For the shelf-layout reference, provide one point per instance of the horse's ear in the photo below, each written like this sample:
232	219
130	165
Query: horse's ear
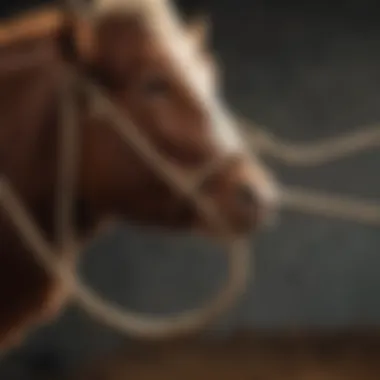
84	40
104	46
198	28
78	40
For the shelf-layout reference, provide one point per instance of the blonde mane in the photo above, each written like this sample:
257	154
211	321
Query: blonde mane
144	7
160	15
163	17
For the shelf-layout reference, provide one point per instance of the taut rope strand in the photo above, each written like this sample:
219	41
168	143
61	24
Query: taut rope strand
331	205
314	154
67	170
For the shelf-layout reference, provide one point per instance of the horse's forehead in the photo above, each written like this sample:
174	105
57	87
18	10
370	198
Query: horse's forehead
169	47
197	75
159	22
162	40
169	36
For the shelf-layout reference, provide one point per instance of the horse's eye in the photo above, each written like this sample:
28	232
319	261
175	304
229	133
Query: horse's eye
156	86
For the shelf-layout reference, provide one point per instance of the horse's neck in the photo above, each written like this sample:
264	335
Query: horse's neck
29	98
29	127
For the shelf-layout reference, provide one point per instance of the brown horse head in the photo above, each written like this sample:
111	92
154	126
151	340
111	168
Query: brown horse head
158	71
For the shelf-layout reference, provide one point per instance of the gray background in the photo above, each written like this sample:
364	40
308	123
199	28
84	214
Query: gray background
305	72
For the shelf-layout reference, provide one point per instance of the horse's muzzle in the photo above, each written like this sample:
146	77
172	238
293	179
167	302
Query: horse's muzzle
245	195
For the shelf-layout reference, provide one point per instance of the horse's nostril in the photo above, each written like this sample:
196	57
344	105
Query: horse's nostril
246	196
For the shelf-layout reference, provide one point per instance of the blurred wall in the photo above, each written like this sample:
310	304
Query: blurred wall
305	71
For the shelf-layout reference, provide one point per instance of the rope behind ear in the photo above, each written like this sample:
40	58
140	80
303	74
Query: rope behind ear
66	41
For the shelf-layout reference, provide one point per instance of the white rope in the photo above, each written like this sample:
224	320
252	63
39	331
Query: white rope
67	169
312	154
331	205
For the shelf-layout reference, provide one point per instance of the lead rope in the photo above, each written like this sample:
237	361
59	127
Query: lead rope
312	154
134	324
69	146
